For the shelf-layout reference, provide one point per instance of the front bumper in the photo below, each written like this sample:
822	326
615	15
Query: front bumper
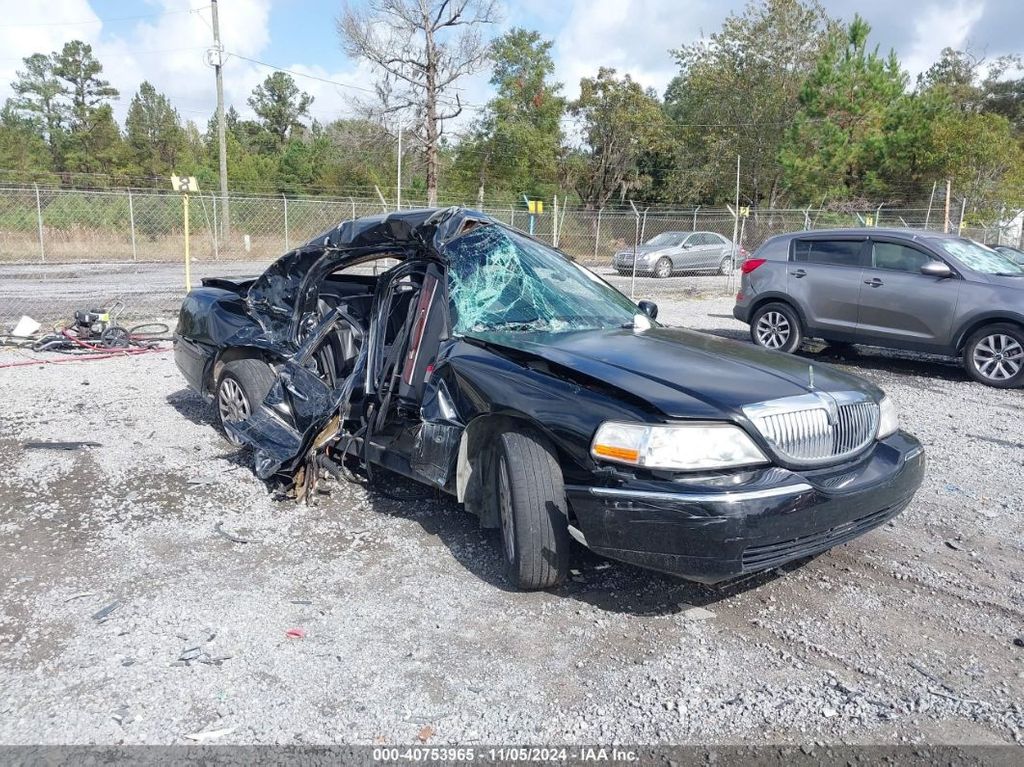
625	262
712	532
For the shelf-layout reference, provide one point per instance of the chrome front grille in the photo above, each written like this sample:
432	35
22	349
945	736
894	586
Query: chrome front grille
817	428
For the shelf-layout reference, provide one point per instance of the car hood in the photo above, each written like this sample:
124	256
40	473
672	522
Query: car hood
683	373
1008	281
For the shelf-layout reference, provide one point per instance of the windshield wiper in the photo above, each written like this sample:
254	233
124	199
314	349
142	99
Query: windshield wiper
537	324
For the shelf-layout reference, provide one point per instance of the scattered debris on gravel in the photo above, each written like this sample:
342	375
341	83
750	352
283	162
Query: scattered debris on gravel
154	592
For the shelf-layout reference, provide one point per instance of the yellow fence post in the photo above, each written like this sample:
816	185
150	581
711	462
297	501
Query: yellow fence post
188	254
186	184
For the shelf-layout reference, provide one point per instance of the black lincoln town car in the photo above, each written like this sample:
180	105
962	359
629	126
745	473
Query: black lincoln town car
488	365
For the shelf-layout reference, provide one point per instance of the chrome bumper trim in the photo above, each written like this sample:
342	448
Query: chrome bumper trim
726	496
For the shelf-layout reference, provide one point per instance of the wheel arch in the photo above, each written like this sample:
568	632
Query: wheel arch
778	298
232	354
975	324
474	455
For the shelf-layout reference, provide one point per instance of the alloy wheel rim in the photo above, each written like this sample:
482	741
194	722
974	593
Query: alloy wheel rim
726	266
773	330
998	357
232	402
508	529
664	268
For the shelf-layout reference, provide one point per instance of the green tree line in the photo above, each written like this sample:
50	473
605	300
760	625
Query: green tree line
816	112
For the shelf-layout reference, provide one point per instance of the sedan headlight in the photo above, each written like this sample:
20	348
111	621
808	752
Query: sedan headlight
888	418
682	447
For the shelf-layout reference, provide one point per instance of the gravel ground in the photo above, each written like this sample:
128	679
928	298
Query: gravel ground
904	635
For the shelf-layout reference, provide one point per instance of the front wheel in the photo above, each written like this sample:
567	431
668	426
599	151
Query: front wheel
531	503
725	268
995	356
776	326
663	268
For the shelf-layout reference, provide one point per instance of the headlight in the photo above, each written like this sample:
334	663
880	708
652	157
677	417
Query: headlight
683	447
888	418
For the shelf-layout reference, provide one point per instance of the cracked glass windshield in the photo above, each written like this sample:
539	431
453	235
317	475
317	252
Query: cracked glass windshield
981	258
502	281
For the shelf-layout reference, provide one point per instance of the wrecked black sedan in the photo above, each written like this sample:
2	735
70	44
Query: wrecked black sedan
488	365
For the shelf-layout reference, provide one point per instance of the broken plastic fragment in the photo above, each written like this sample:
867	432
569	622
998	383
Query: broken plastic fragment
25	328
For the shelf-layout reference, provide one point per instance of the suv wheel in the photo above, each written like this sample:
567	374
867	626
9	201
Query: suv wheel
663	268
995	356
776	326
531	503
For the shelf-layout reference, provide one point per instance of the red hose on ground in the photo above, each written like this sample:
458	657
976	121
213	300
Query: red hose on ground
99	353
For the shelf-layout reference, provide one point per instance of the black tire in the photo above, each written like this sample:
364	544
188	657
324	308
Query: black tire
776	326
527	482
994	356
246	383
663	267
726	267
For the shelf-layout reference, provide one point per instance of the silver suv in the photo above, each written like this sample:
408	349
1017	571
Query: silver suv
898	288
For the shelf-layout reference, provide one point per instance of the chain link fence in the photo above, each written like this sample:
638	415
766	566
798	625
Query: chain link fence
63	249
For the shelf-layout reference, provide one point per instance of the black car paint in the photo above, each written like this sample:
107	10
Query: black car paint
562	385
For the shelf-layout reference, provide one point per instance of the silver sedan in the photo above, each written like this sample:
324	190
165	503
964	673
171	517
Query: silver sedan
671	252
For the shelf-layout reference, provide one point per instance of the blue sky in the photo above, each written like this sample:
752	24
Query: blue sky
167	46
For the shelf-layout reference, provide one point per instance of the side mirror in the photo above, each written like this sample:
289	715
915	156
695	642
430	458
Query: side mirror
686	246
936	269
649	308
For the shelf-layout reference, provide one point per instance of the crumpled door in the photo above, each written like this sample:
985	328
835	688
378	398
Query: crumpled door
298	406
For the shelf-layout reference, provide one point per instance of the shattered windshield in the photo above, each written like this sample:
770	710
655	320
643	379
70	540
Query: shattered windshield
500	280
980	258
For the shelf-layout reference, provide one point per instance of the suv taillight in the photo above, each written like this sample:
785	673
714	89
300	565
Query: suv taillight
751	264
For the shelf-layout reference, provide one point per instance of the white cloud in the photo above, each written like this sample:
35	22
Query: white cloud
937	27
633	37
169	49
26	29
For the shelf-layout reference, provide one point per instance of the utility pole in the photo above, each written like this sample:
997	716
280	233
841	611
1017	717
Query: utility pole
736	222
222	139
949	185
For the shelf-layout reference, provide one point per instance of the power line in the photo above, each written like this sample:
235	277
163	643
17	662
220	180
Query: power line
137	52
337	83
103	21
300	74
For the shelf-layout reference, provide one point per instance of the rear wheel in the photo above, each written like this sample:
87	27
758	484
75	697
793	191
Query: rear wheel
663	268
242	386
995	356
527	481
776	326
